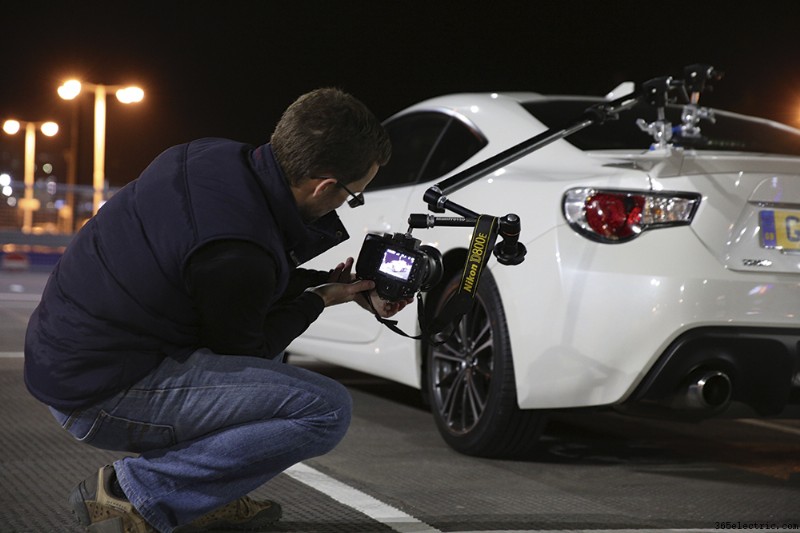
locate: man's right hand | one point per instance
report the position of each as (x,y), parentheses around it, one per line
(339,293)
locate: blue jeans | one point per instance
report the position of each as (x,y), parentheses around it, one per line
(211,428)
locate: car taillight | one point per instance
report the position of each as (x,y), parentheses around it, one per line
(614,216)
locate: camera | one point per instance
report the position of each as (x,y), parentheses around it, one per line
(399,265)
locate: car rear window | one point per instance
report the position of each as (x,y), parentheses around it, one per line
(727,133)
(425,146)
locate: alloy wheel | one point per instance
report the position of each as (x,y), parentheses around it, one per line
(462,371)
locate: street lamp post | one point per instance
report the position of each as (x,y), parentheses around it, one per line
(29,204)
(125,94)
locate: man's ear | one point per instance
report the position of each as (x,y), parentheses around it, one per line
(322,186)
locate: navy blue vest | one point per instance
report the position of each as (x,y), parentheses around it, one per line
(117,302)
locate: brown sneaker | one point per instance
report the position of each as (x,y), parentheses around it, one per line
(244,514)
(99,511)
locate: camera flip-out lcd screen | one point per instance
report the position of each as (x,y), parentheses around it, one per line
(396,264)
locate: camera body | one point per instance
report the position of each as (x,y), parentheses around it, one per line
(399,265)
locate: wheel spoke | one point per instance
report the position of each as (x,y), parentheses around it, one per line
(450,403)
(474,401)
(448,358)
(448,379)
(464,398)
(477,397)
(485,331)
(487,374)
(451,355)
(474,409)
(483,346)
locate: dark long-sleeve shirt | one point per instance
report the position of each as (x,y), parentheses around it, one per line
(231,283)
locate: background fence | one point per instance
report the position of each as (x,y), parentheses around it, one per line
(59,209)
(54,214)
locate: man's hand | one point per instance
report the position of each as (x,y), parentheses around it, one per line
(339,293)
(342,287)
(343,272)
(382,307)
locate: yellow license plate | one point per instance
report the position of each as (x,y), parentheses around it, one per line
(780,229)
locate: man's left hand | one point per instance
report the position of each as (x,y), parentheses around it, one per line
(343,274)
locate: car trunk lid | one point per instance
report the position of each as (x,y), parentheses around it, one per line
(750,213)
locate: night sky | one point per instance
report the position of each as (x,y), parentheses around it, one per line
(229,68)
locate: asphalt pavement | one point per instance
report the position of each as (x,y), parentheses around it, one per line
(597,472)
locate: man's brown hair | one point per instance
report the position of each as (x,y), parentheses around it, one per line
(328,131)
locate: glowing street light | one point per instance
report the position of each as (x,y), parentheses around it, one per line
(29,204)
(125,94)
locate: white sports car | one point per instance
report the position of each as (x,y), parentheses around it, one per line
(662,274)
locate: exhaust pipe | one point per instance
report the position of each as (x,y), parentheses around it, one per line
(706,390)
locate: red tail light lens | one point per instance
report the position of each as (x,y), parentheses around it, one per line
(617,216)
(614,216)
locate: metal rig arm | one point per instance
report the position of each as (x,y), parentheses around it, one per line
(510,251)
(435,196)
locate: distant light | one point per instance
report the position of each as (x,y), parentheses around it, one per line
(5,179)
(49,128)
(130,95)
(70,89)
(11,126)
(47,168)
(797,117)
(7,190)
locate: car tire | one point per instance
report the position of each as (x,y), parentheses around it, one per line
(470,381)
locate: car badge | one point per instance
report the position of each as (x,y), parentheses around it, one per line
(757,262)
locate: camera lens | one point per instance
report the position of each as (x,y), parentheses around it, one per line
(434,267)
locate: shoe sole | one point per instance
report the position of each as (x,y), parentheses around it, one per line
(112,525)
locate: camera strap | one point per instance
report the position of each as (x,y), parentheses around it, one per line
(392,324)
(480,248)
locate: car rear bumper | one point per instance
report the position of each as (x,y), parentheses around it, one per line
(609,314)
(706,369)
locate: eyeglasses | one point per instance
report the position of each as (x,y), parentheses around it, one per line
(356,198)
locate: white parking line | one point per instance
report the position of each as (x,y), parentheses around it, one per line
(397,520)
(19,297)
(354,498)
(11,354)
(770,425)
